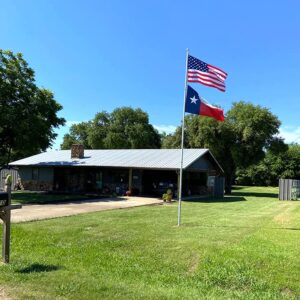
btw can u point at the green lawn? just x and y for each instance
(245, 247)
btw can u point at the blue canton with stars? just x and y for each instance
(192, 101)
(197, 64)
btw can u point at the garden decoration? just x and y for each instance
(167, 197)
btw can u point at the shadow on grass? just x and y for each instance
(215, 200)
(237, 187)
(38, 268)
(44, 198)
(237, 227)
(79, 201)
(255, 194)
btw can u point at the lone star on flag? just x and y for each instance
(194, 100)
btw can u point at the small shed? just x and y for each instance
(142, 171)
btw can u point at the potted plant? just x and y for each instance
(167, 197)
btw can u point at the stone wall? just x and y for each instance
(35, 185)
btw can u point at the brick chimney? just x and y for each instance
(77, 151)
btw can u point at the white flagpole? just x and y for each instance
(182, 141)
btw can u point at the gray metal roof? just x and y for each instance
(125, 158)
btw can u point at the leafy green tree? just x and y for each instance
(259, 174)
(98, 129)
(170, 141)
(124, 128)
(291, 163)
(254, 128)
(280, 161)
(78, 135)
(28, 113)
(130, 128)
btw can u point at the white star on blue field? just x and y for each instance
(194, 100)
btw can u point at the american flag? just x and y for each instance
(201, 72)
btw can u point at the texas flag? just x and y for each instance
(194, 104)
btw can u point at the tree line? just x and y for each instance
(246, 143)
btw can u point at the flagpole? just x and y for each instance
(182, 141)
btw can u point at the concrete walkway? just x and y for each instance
(30, 212)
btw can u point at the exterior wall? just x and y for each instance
(43, 181)
(25, 173)
(202, 164)
(216, 186)
(205, 163)
(219, 187)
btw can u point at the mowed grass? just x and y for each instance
(244, 247)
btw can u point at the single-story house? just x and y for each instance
(142, 171)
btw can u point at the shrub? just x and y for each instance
(167, 197)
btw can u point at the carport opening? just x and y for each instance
(156, 183)
(194, 184)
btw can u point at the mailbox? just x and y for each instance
(3, 199)
(5, 216)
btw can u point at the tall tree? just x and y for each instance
(28, 114)
(124, 128)
(98, 130)
(78, 135)
(291, 163)
(255, 128)
(130, 128)
(280, 161)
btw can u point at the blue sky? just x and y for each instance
(99, 55)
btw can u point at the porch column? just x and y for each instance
(130, 180)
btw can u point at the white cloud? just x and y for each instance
(165, 128)
(291, 134)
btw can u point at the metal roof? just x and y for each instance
(125, 158)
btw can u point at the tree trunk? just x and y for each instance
(227, 188)
(8, 156)
(228, 183)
